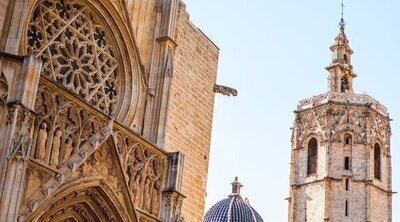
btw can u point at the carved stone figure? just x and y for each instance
(55, 149)
(41, 142)
(136, 190)
(146, 193)
(131, 176)
(69, 147)
(155, 200)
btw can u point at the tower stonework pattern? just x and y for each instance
(346, 174)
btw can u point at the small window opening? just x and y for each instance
(348, 139)
(312, 156)
(347, 184)
(346, 209)
(377, 162)
(345, 85)
(345, 58)
(347, 163)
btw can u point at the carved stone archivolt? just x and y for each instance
(90, 201)
(76, 51)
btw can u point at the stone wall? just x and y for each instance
(323, 195)
(190, 111)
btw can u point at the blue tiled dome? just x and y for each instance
(233, 209)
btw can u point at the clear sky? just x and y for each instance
(274, 53)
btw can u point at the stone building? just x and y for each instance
(106, 109)
(340, 156)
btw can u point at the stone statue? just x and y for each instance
(69, 147)
(131, 175)
(146, 193)
(136, 189)
(155, 199)
(55, 149)
(41, 142)
(21, 145)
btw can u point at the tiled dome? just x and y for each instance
(233, 209)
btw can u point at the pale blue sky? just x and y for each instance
(274, 53)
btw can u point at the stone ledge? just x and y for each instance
(344, 98)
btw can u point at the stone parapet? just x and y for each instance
(343, 98)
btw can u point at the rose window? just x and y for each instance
(76, 51)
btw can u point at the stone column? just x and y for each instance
(172, 196)
(17, 135)
(161, 72)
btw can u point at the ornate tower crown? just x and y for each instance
(340, 70)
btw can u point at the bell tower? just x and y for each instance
(340, 155)
(341, 74)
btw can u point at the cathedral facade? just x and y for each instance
(106, 110)
(340, 156)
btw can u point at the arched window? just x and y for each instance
(345, 58)
(377, 161)
(347, 139)
(312, 156)
(345, 85)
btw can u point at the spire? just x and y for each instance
(236, 188)
(342, 23)
(341, 75)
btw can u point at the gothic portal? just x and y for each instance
(101, 104)
(340, 157)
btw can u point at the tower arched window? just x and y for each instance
(312, 157)
(345, 84)
(348, 139)
(345, 59)
(377, 161)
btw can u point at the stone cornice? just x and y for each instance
(342, 98)
(368, 182)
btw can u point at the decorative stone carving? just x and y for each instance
(172, 204)
(76, 51)
(147, 195)
(41, 142)
(91, 204)
(155, 198)
(55, 149)
(68, 148)
(58, 118)
(224, 90)
(22, 142)
(144, 172)
(3, 89)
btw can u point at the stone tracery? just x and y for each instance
(76, 51)
(144, 171)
